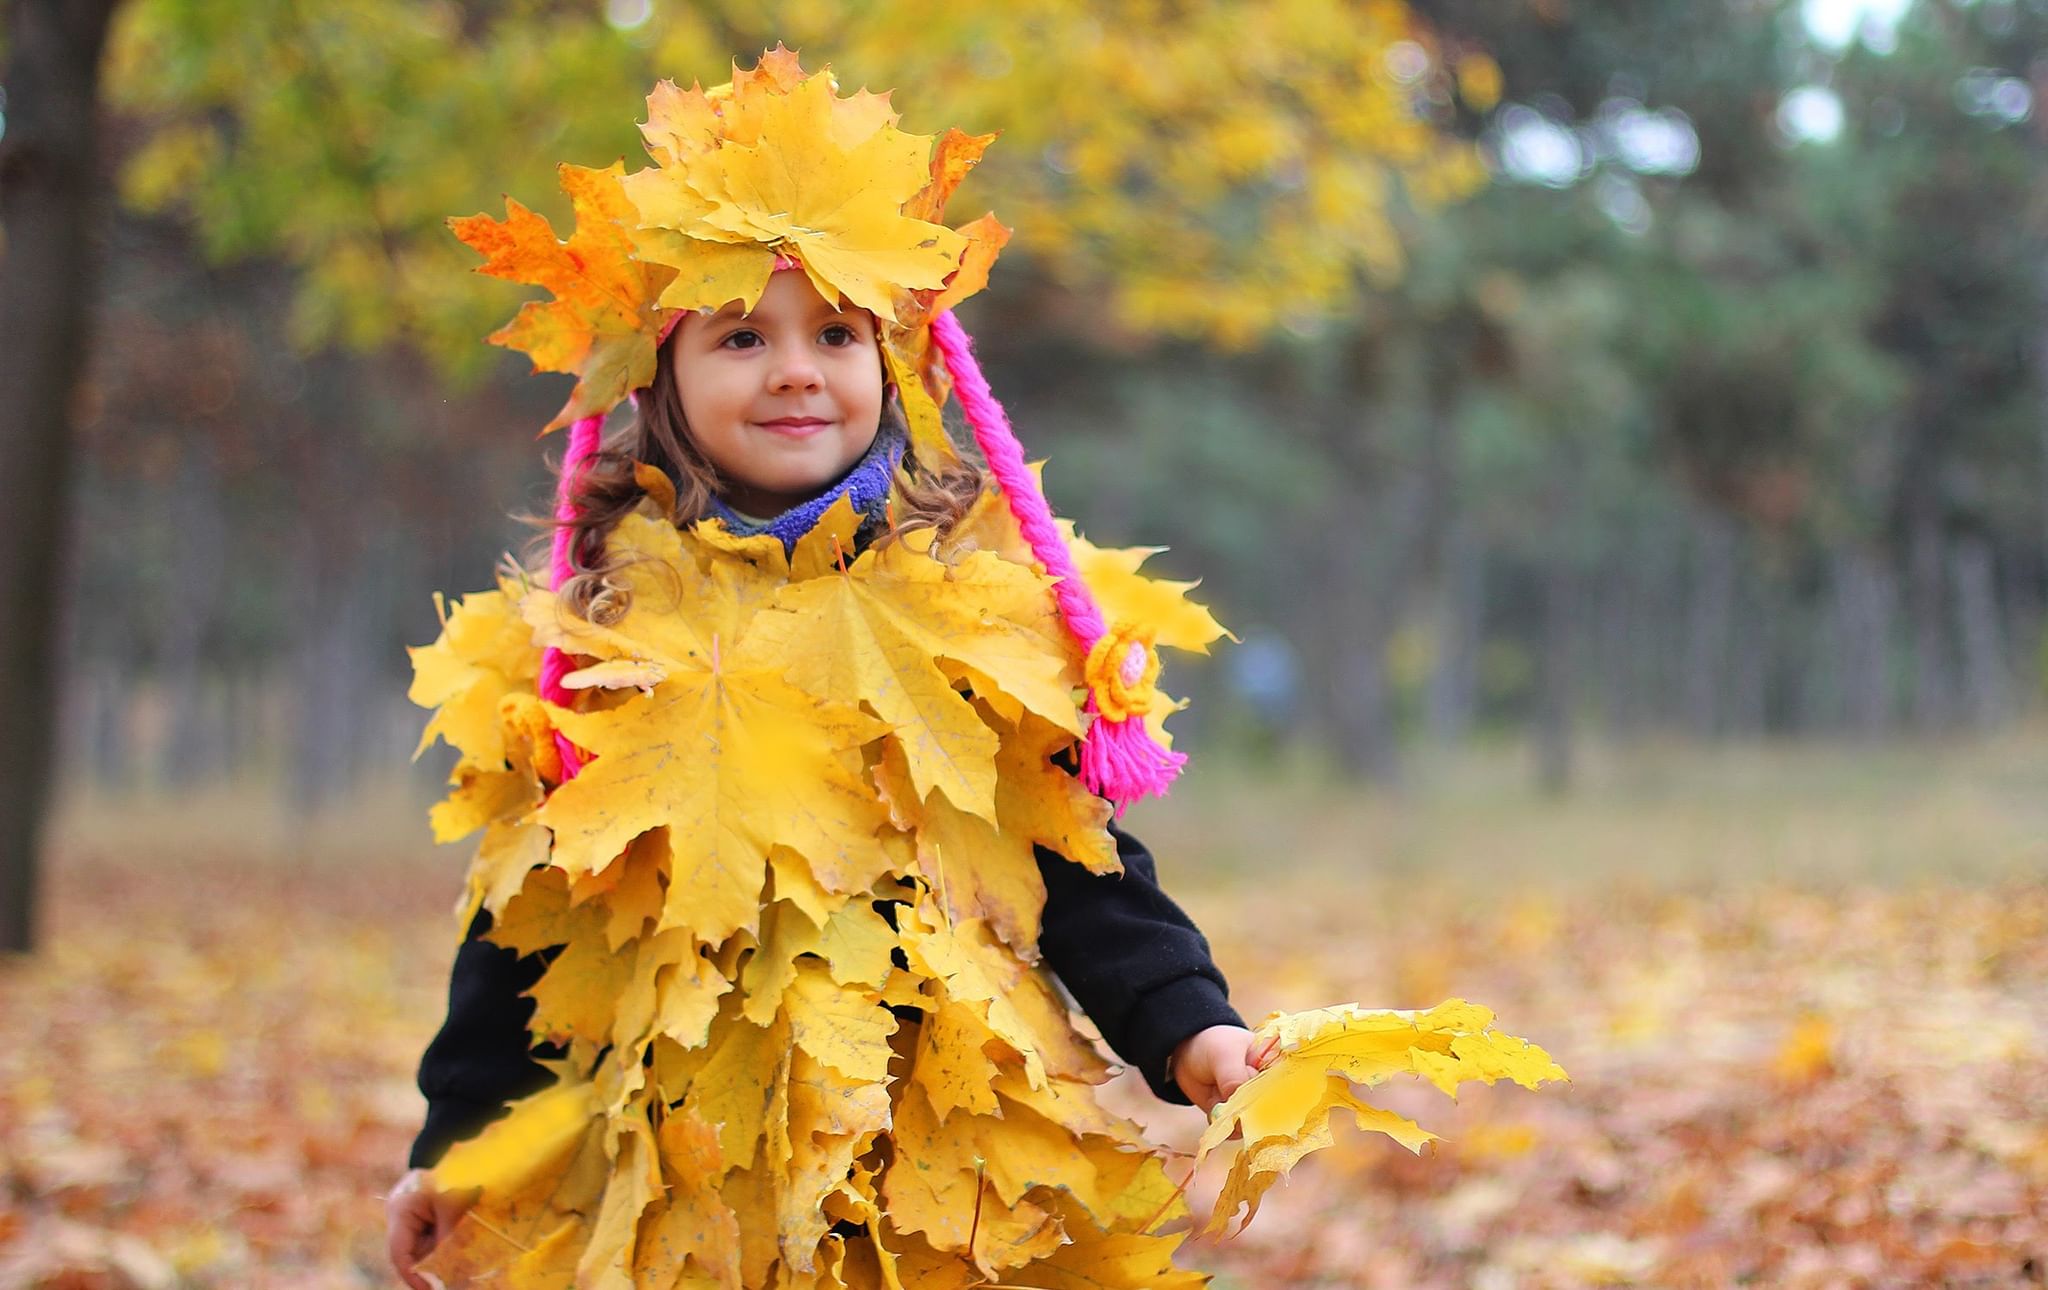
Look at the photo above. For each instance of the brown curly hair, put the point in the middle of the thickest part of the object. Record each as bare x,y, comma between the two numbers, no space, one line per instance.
659,437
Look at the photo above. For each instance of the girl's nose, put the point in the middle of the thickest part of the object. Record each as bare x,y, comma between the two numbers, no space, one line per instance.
795,372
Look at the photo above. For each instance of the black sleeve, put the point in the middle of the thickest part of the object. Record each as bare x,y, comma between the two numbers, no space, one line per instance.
1135,963
481,1059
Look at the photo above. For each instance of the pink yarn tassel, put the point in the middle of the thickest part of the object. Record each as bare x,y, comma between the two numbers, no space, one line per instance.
554,664
1120,760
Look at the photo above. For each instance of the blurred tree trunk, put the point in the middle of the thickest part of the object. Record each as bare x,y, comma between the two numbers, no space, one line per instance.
1934,704
1752,653
1864,602
1638,671
49,164
2041,380
193,750
1710,621
1360,617
1460,608
323,670
1981,636
108,757
1398,527
1613,653
1553,727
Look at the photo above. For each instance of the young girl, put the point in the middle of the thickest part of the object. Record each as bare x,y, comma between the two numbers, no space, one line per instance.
777,873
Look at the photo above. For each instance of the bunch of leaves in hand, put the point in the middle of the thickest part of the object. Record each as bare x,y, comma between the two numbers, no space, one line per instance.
1285,1110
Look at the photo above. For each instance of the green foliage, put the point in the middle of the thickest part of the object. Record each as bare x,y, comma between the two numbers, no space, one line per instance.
1209,175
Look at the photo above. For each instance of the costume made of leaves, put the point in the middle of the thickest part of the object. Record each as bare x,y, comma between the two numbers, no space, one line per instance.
796,899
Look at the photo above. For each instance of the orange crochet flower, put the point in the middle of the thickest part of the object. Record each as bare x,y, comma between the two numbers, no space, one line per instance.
1122,671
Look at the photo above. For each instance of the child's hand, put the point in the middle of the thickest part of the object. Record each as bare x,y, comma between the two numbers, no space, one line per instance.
416,1218
1210,1064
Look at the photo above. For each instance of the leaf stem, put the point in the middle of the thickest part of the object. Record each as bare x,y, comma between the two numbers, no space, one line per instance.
1145,1229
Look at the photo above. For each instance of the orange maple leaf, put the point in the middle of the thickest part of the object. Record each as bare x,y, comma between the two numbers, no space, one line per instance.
604,319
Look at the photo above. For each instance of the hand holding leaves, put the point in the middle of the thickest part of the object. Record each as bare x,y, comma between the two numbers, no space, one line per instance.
1285,1109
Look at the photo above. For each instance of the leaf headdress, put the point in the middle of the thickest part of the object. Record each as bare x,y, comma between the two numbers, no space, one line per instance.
776,171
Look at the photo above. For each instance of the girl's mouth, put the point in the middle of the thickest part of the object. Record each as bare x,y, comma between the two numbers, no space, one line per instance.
794,427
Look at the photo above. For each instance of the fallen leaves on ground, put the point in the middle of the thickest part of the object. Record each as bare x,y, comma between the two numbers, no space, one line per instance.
205,1079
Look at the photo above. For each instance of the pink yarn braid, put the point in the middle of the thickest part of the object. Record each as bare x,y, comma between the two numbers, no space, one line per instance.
1120,760
554,664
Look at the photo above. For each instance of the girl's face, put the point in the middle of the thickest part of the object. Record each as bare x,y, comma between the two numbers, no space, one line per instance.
784,400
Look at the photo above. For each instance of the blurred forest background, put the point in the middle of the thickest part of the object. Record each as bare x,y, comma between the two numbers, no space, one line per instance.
1674,369
1616,430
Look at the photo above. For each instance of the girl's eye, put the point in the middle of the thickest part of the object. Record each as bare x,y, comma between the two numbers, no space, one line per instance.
839,334
742,339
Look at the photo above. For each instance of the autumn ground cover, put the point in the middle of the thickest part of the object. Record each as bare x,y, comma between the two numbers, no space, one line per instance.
1800,991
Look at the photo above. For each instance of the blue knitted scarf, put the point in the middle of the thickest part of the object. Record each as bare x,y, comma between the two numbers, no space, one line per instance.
866,486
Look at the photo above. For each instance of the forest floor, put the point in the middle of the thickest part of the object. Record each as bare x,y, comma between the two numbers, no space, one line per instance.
1802,994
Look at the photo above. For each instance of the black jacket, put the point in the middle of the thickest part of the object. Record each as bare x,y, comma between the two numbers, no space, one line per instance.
1133,961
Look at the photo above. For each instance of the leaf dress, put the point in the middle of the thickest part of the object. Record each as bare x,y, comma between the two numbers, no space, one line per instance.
793,905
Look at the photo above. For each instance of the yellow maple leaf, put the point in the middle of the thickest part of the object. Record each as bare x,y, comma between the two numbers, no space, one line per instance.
932,1190
874,635
777,161
969,964
1138,1193
577,996
603,320
952,1062
510,850
833,1117
708,274
955,153
634,896
685,604
1284,1111
929,441
797,881
1040,800
481,797
990,525
671,989
1128,596
634,1183
540,1131
986,237
979,869
732,763
854,941
744,1060
694,1229
839,208
534,1172
751,1195
1025,1150
845,1028
484,653
680,123
1125,1259
996,1180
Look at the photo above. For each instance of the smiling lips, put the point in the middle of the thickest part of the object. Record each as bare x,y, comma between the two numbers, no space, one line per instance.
794,427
